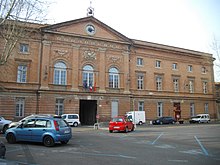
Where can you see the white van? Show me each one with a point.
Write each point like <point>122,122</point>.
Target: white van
<point>71,119</point>
<point>138,117</point>
<point>200,118</point>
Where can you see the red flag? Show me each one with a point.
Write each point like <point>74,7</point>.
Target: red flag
<point>94,87</point>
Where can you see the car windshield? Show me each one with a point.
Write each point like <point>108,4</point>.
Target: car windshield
<point>117,120</point>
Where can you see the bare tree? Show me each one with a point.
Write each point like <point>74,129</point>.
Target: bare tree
<point>16,17</point>
<point>216,48</point>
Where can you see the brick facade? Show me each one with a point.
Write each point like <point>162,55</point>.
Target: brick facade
<point>70,44</point>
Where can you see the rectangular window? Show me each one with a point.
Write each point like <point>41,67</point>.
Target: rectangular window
<point>139,61</point>
<point>113,80</point>
<point>22,73</point>
<point>191,86</point>
<point>140,81</point>
<point>176,85</point>
<point>140,106</point>
<point>59,109</point>
<point>159,109</point>
<point>205,87</point>
<point>192,109</point>
<point>206,108</point>
<point>19,110</point>
<point>159,83</point>
<point>174,66</point>
<point>158,64</point>
<point>203,70</point>
<point>24,48</point>
<point>190,69</point>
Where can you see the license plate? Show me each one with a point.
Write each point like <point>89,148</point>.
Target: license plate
<point>67,131</point>
<point>116,127</point>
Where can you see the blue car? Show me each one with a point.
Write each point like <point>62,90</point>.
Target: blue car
<point>48,130</point>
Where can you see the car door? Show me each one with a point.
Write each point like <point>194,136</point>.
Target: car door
<point>129,123</point>
<point>24,130</point>
<point>41,126</point>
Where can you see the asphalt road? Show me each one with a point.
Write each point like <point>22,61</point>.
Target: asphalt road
<point>196,144</point>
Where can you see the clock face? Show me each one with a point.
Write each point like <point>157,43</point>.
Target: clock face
<point>90,29</point>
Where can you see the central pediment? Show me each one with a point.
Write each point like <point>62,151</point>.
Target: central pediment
<point>87,27</point>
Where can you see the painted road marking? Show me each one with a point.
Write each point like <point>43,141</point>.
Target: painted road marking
<point>202,147</point>
<point>157,139</point>
<point>179,161</point>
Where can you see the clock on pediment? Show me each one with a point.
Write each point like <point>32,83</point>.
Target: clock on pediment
<point>90,29</point>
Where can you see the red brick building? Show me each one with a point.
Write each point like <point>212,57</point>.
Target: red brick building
<point>84,66</point>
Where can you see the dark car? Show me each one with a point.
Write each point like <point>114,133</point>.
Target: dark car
<point>48,130</point>
<point>164,120</point>
<point>121,123</point>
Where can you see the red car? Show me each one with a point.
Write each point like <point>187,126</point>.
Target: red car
<point>121,123</point>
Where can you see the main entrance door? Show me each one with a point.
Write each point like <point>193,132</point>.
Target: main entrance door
<point>177,111</point>
<point>87,112</point>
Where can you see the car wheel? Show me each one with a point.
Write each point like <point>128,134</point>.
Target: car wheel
<point>110,131</point>
<point>48,141</point>
<point>11,138</point>
<point>4,129</point>
<point>75,124</point>
<point>64,142</point>
<point>140,123</point>
<point>132,128</point>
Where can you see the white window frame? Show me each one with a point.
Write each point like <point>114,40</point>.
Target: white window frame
<point>22,74</point>
<point>205,87</point>
<point>176,84</point>
<point>159,82</point>
<point>158,64</point>
<point>114,78</point>
<point>140,61</point>
<point>60,73</point>
<point>88,76</point>
<point>24,48</point>
<point>203,70</point>
<point>190,68</point>
<point>19,108</point>
<point>59,109</point>
<point>140,81</point>
<point>191,86</point>
<point>174,66</point>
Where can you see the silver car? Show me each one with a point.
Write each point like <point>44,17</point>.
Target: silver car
<point>4,124</point>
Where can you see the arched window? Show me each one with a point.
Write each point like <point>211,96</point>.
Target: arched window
<point>88,76</point>
<point>60,73</point>
<point>113,78</point>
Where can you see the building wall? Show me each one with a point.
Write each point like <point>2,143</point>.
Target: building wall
<point>40,92</point>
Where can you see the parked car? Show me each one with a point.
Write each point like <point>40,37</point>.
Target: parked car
<point>48,130</point>
<point>121,123</point>
<point>200,118</point>
<point>4,124</point>
<point>71,119</point>
<point>164,120</point>
<point>16,123</point>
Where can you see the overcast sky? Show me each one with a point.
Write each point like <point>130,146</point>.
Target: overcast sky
<point>190,24</point>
